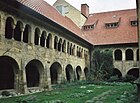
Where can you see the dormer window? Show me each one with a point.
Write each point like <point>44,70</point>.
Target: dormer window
<point>134,23</point>
<point>90,26</point>
<point>111,25</point>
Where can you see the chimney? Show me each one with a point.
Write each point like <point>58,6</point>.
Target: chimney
<point>85,10</point>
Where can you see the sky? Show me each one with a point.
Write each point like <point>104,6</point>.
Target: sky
<point>101,5</point>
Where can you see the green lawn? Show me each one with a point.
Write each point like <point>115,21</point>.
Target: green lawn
<point>106,92</point>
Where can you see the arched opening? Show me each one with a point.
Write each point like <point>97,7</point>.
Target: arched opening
<point>49,41</point>
<point>116,72</point>
<point>36,38</point>
<point>9,28</point>
<point>118,54</point>
<point>71,49</point>
<point>129,54</point>
<point>78,72</point>
<point>60,45</point>
<point>134,72</point>
<point>8,72</point>
<point>138,55</point>
<point>18,31</point>
<point>56,73</point>
<point>42,41</point>
<point>64,46</point>
<point>34,73</point>
<point>26,33</point>
<point>68,48</point>
<point>69,73</point>
<point>86,72</point>
<point>56,43</point>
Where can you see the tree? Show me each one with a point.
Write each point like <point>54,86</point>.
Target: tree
<point>102,64</point>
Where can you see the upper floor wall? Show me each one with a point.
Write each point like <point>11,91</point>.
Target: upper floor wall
<point>32,32</point>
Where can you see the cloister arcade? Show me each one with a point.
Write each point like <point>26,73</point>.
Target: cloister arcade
<point>37,57</point>
<point>126,62</point>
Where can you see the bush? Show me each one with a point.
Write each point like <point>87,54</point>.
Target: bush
<point>114,79</point>
<point>129,78</point>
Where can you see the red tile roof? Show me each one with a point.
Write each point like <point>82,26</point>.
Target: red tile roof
<point>101,35</point>
<point>43,8</point>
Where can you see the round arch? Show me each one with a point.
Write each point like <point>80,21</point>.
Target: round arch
<point>56,42</point>
<point>36,37</point>
<point>56,73</point>
<point>117,72</point>
<point>9,28</point>
<point>27,33</point>
<point>42,40</point>
<point>129,54</point>
<point>49,41</point>
<point>18,31</point>
<point>34,73</point>
<point>118,54</point>
<point>78,72</point>
<point>9,70</point>
<point>134,72</point>
<point>60,44</point>
<point>69,73</point>
<point>64,46</point>
<point>86,72</point>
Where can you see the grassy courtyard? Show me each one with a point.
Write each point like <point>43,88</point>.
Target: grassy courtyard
<point>80,93</point>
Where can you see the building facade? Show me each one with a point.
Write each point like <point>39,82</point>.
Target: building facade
<point>41,45</point>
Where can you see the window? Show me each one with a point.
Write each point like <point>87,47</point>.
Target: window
<point>112,25</point>
<point>134,23</point>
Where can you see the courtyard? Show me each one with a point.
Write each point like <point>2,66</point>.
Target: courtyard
<point>81,92</point>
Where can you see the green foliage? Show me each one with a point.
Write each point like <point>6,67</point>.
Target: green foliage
<point>103,91</point>
<point>103,64</point>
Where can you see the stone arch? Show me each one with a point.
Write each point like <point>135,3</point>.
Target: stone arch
<point>36,37</point>
<point>56,42</point>
<point>60,44</point>
<point>18,31</point>
<point>64,46</point>
<point>134,72</point>
<point>117,72</point>
<point>27,33</point>
<point>137,54</point>
<point>49,41</point>
<point>9,70</point>
<point>9,28</point>
<point>42,40</point>
<point>34,73</point>
<point>56,73</point>
<point>129,54</point>
<point>78,72</point>
<point>118,54</point>
<point>69,73</point>
<point>86,72</point>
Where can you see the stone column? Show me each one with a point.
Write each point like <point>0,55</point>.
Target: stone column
<point>39,39</point>
<point>22,82</point>
<point>32,37</point>
<point>123,63</point>
<point>22,30</point>
<point>2,25</point>
<point>47,77</point>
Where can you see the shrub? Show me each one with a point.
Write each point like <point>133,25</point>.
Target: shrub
<point>114,79</point>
